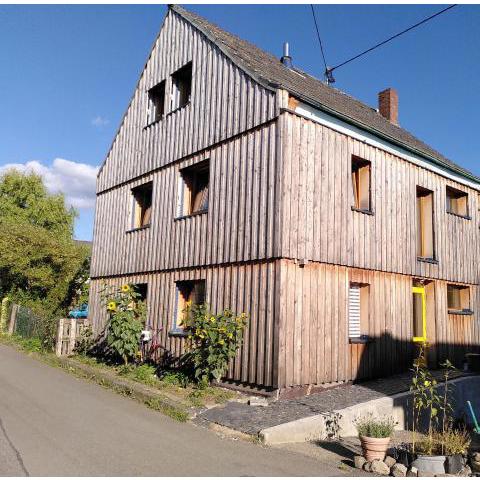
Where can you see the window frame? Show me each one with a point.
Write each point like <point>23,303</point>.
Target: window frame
<point>181,300</point>
<point>188,182</point>
<point>363,312</point>
<point>136,206</point>
<point>357,166</point>
<point>152,105</point>
<point>177,79</point>
<point>462,310</point>
<point>452,193</point>
<point>420,291</point>
<point>421,193</point>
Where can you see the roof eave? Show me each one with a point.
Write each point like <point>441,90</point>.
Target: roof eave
<point>382,135</point>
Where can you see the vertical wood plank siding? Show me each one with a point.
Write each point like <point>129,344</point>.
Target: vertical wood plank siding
<point>224,102</point>
<point>239,224</point>
<point>320,225</point>
<point>245,288</point>
<point>313,325</point>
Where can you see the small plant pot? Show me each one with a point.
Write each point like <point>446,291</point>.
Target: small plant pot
<point>454,464</point>
<point>374,448</point>
<point>430,463</point>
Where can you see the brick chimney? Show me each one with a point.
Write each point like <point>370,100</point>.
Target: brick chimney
<point>388,105</point>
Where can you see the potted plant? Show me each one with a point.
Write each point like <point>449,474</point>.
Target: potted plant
<point>375,434</point>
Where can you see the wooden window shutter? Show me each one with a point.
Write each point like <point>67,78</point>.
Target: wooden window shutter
<point>354,311</point>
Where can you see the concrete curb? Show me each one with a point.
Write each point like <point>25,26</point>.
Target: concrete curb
<point>318,427</point>
<point>172,407</point>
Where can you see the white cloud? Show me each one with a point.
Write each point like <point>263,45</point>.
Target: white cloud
<point>75,180</point>
<point>99,121</point>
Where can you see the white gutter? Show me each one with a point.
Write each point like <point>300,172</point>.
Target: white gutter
<point>312,113</point>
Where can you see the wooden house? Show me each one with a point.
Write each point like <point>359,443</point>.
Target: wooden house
<point>238,180</point>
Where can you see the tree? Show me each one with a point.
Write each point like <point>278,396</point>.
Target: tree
<point>39,260</point>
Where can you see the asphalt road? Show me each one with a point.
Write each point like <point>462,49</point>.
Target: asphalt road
<point>52,423</point>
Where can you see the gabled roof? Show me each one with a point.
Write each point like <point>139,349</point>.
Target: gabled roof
<point>271,73</point>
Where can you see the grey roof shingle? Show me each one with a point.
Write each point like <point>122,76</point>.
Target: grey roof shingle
<point>270,72</point>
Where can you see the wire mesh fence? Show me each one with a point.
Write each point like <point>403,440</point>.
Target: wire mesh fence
<point>27,324</point>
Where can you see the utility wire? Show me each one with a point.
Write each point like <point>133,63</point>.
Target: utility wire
<point>329,70</point>
<point>319,39</point>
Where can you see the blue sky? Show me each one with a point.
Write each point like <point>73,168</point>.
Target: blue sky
<point>68,73</point>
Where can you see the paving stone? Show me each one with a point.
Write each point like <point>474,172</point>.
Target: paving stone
<point>359,461</point>
<point>380,468</point>
<point>252,419</point>
<point>399,470</point>
<point>258,402</point>
<point>390,461</point>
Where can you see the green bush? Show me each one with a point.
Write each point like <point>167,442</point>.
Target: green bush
<point>369,426</point>
<point>212,341</point>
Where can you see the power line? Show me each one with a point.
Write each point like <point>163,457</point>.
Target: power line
<point>319,39</point>
<point>328,71</point>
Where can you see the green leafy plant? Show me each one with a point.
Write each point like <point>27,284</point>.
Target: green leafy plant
<point>427,399</point>
<point>85,341</point>
<point>212,341</point>
<point>175,378</point>
<point>127,317</point>
<point>375,427</point>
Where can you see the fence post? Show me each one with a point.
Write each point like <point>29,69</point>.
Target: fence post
<point>73,333</point>
<point>13,318</point>
<point>4,314</point>
<point>58,346</point>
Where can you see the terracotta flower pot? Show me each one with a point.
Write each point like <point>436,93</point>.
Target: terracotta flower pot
<point>374,448</point>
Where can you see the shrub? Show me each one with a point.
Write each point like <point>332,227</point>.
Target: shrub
<point>127,316</point>
<point>85,341</point>
<point>178,379</point>
<point>369,426</point>
<point>213,340</point>
<point>454,442</point>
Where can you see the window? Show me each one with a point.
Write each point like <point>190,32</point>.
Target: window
<point>142,205</point>
<point>425,231</point>
<point>458,299</point>
<point>357,310</point>
<point>361,174</point>
<point>193,189</point>
<point>181,86</point>
<point>156,100</point>
<point>142,290</point>
<point>457,202</point>
<point>419,314</point>
<point>187,291</point>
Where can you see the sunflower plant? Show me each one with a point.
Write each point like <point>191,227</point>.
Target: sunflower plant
<point>212,341</point>
<point>127,314</point>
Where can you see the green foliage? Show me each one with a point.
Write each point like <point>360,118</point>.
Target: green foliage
<point>127,317</point>
<point>85,341</point>
<point>427,399</point>
<point>370,426</point>
<point>33,344</point>
<point>213,340</point>
<point>38,258</point>
<point>175,378</point>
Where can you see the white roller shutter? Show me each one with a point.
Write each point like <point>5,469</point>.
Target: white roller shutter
<point>354,311</point>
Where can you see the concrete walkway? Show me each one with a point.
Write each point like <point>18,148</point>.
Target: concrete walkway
<point>305,412</point>
<point>54,424</point>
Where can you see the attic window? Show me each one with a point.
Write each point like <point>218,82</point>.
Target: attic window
<point>361,179</point>
<point>181,86</point>
<point>457,202</point>
<point>193,189</point>
<point>156,103</point>
<point>142,205</point>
